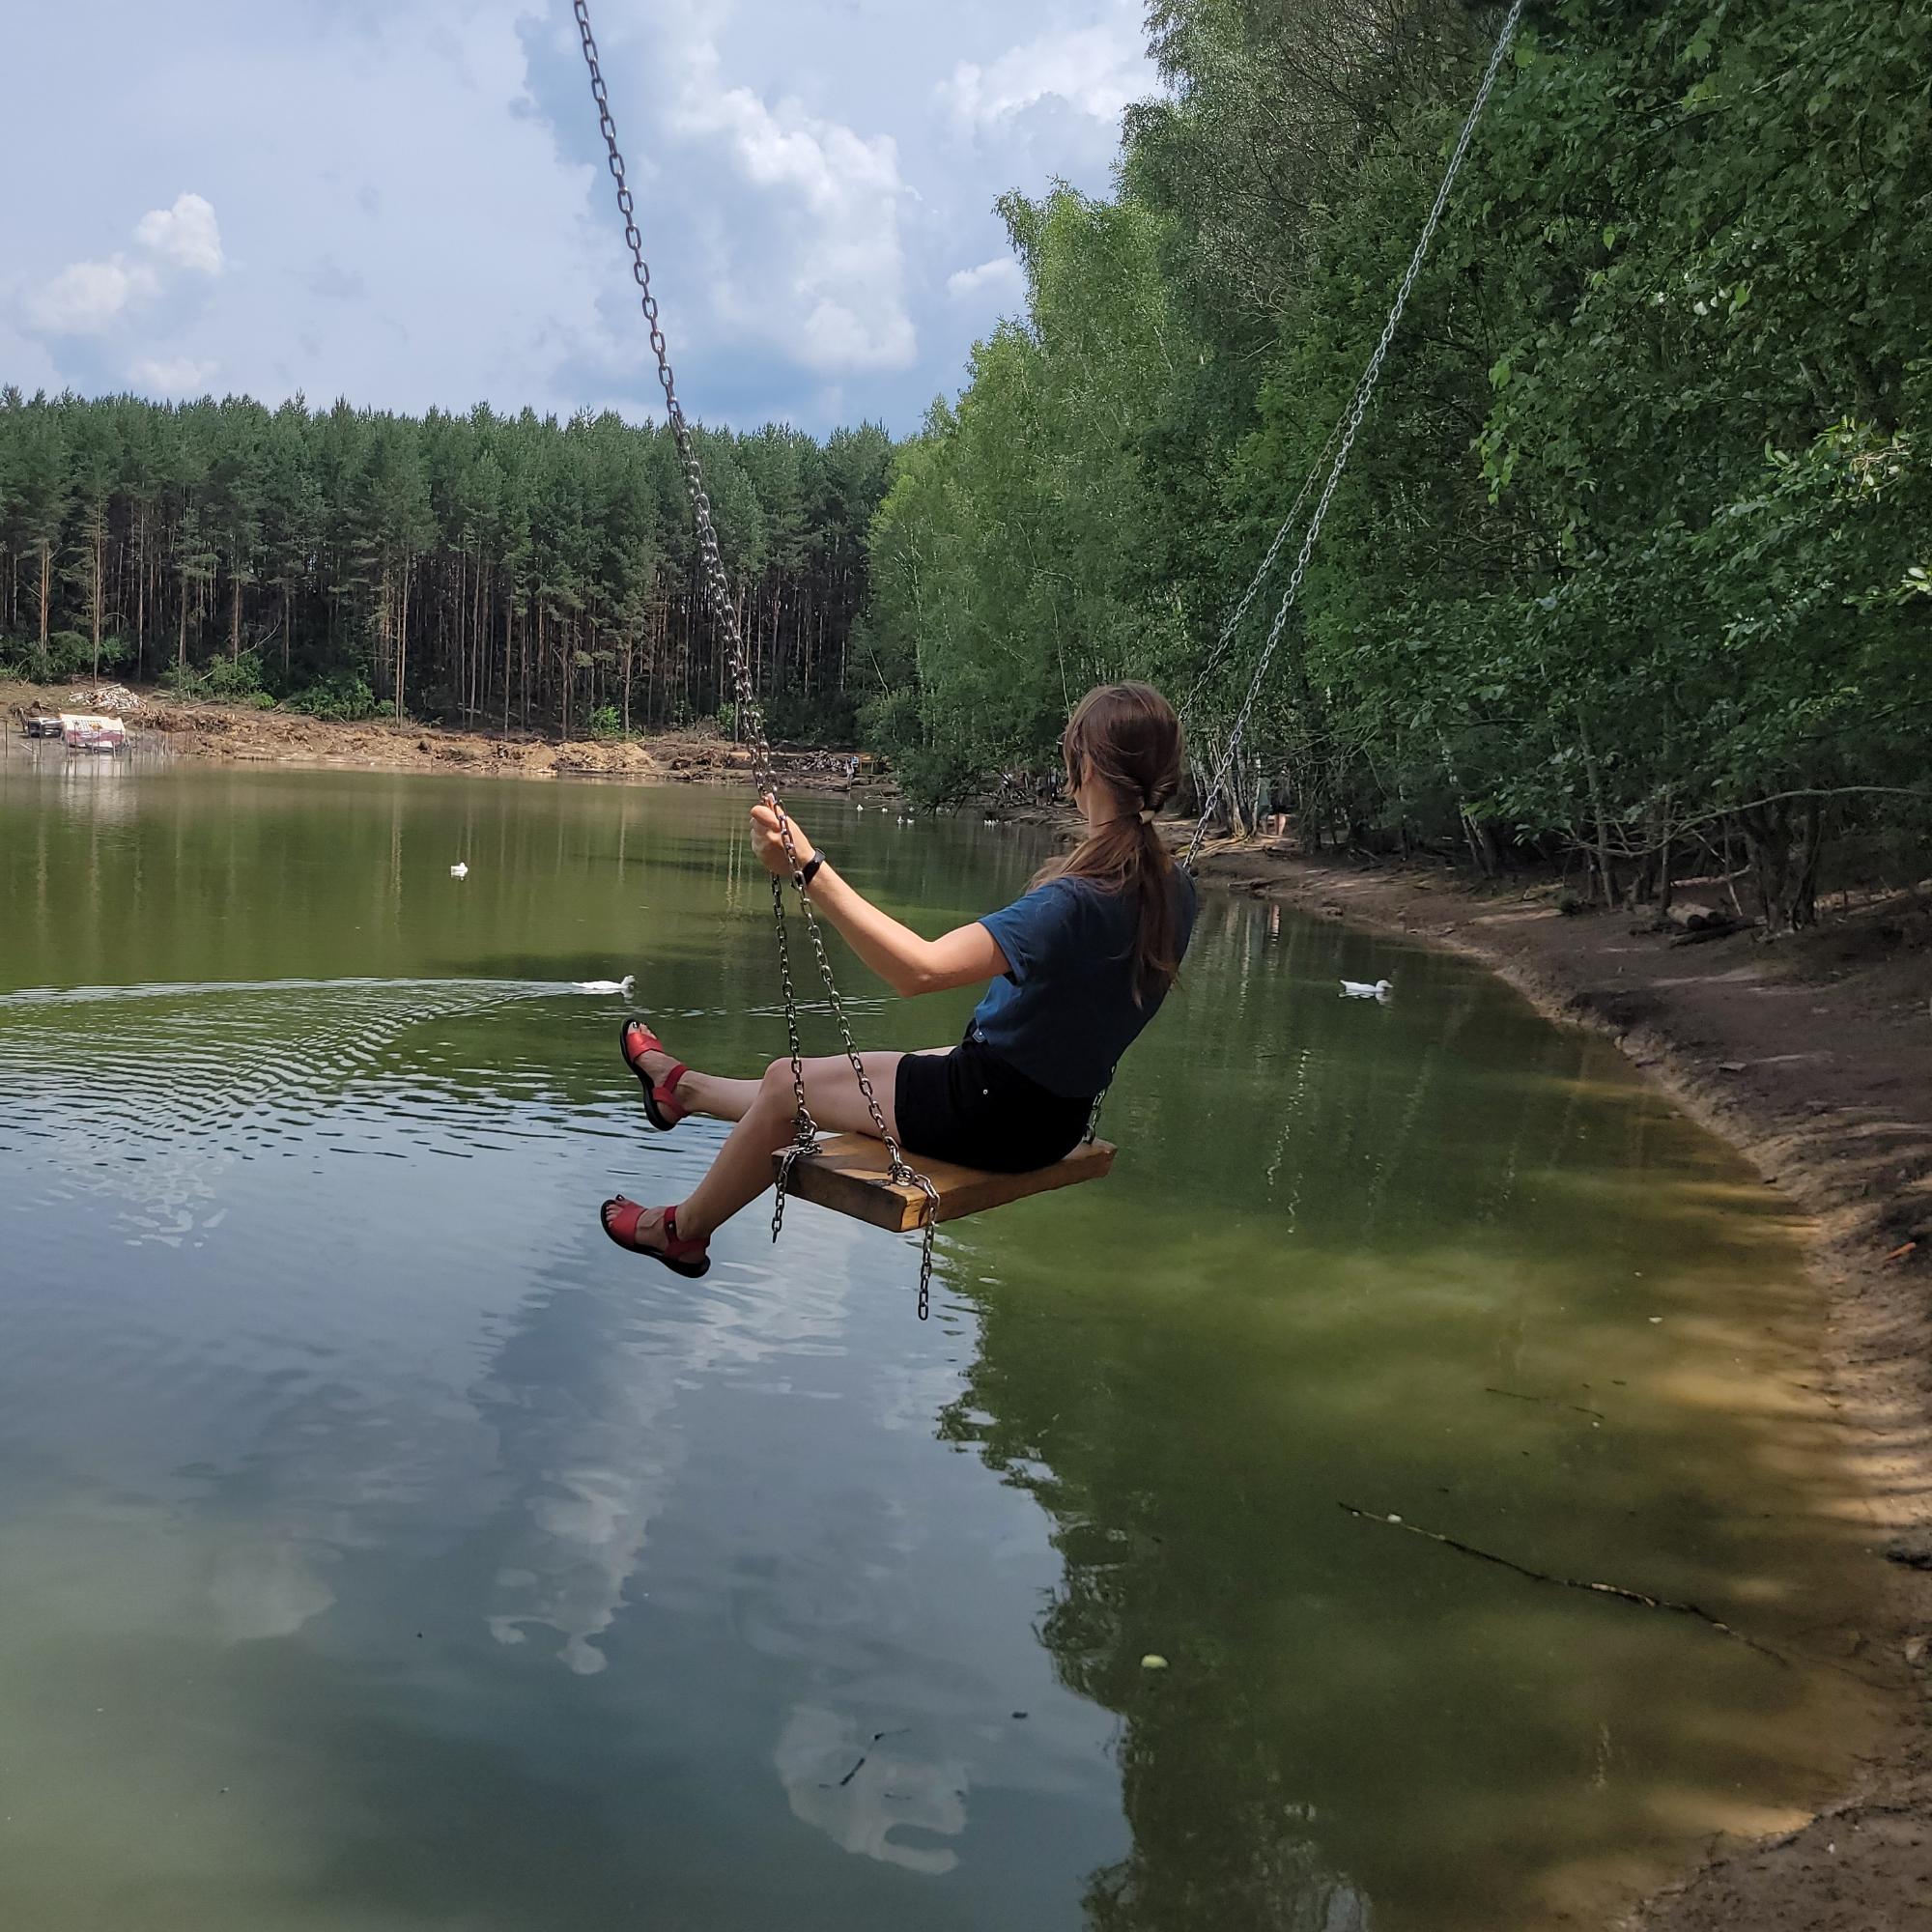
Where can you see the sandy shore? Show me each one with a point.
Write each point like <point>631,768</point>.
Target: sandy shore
<point>241,734</point>
<point>1813,1056</point>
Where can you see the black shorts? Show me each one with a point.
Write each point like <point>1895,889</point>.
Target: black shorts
<point>971,1107</point>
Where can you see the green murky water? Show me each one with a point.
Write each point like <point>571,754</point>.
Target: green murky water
<point>383,1549</point>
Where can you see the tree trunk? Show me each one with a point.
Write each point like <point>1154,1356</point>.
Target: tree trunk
<point>46,574</point>
<point>1784,862</point>
<point>1606,883</point>
<point>403,638</point>
<point>479,636</point>
<point>1802,904</point>
<point>100,544</point>
<point>542,646</point>
<point>462,615</point>
<point>384,609</point>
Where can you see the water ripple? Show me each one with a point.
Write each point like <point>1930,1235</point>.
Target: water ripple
<point>148,1094</point>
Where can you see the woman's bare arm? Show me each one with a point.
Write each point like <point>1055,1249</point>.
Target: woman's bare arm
<point>908,963</point>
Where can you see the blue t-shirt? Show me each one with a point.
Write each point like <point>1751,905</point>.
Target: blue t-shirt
<point>1064,1013</point>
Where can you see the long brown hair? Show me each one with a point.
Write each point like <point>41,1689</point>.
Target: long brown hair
<point>1124,739</point>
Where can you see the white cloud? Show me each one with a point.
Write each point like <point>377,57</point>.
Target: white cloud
<point>174,376</point>
<point>1095,69</point>
<point>827,277</point>
<point>1001,278</point>
<point>186,235</point>
<point>88,298</point>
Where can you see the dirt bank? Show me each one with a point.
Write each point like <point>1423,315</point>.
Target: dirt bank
<point>243,734</point>
<point>1814,1056</point>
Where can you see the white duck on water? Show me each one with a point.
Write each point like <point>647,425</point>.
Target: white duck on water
<point>1361,990</point>
<point>622,988</point>
<point>459,870</point>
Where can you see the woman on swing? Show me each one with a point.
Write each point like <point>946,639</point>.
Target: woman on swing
<point>1078,967</point>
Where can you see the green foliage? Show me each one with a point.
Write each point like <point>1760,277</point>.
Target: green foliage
<point>69,654</point>
<point>235,680</point>
<point>1625,558</point>
<point>343,694</point>
<point>1009,558</point>
<point>481,568</point>
<point>607,722</point>
<point>890,723</point>
<point>236,677</point>
<point>818,718</point>
<point>935,775</point>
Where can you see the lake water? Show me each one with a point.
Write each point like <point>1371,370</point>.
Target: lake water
<point>382,1549</point>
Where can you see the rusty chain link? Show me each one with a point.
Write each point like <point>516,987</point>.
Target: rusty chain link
<point>725,617</point>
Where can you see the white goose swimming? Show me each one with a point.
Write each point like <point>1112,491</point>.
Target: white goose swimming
<point>1361,990</point>
<point>459,870</point>
<point>619,987</point>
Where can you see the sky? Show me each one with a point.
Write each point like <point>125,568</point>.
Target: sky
<point>404,202</point>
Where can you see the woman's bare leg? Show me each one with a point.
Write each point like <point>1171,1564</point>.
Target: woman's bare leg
<point>711,1094</point>
<point>765,1111</point>
<point>722,1099</point>
<point>743,1168</point>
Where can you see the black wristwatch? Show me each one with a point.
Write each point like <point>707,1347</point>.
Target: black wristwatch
<point>810,870</point>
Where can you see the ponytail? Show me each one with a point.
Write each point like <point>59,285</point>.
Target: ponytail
<point>1126,739</point>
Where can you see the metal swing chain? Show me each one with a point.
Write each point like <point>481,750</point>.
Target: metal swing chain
<point>724,616</point>
<point>1289,522</point>
<point>1350,424</point>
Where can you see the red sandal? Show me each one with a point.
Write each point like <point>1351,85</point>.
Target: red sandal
<point>661,1106</point>
<point>620,1217</point>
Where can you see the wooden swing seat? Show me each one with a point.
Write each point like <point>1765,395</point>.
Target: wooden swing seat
<point>850,1175</point>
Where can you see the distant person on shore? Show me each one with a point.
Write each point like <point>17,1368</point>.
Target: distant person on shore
<point>1079,965</point>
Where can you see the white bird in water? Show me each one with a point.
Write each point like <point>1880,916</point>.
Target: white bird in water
<point>459,870</point>
<point>1360,989</point>
<point>620,987</point>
